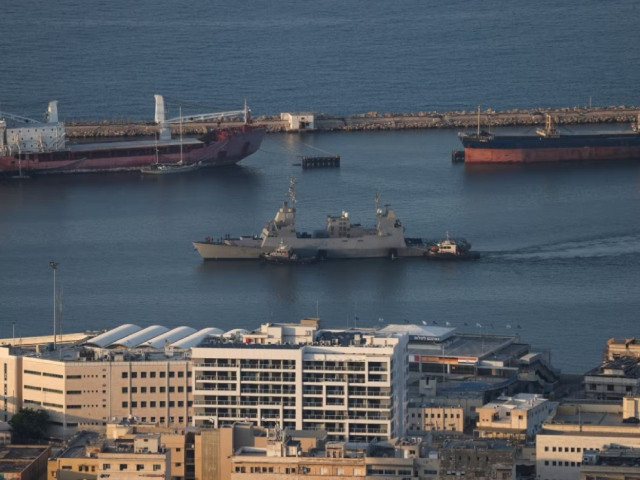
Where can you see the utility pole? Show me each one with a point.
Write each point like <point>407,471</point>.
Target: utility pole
<point>54,265</point>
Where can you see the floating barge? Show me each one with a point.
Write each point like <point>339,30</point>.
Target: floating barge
<point>332,161</point>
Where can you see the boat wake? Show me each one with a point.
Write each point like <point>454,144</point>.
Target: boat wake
<point>603,247</point>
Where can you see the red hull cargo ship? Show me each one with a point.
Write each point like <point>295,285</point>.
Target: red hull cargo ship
<point>550,146</point>
<point>31,147</point>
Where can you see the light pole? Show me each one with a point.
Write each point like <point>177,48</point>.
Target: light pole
<point>54,265</point>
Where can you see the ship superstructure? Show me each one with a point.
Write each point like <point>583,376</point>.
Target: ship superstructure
<point>340,239</point>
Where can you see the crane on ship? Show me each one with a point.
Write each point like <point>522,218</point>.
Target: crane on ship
<point>245,113</point>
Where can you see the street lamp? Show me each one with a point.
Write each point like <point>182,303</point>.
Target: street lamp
<point>54,265</point>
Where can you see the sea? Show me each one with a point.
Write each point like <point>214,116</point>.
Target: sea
<point>560,244</point>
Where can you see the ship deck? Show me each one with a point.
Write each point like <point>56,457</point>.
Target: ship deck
<point>123,144</point>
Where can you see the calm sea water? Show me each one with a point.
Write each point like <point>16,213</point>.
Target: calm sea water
<point>560,244</point>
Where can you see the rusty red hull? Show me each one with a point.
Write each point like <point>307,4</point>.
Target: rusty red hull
<point>486,148</point>
<point>225,148</point>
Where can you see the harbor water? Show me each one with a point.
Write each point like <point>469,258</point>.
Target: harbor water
<point>560,244</point>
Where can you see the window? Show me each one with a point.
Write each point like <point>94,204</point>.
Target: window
<point>172,389</point>
<point>134,389</point>
<point>125,389</point>
<point>152,389</point>
<point>546,449</point>
<point>180,374</point>
<point>163,374</point>
<point>125,404</point>
<point>143,404</point>
<point>139,467</point>
<point>162,403</point>
<point>143,389</point>
<point>152,404</point>
<point>106,466</point>
<point>609,388</point>
<point>134,374</point>
<point>172,374</point>
<point>152,374</point>
<point>180,389</point>
<point>163,389</point>
<point>123,466</point>
<point>143,374</point>
<point>125,375</point>
<point>162,419</point>
<point>134,404</point>
<point>172,403</point>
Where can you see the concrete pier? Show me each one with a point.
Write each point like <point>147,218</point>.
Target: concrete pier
<point>377,121</point>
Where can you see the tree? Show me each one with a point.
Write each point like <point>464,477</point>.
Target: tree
<point>29,425</point>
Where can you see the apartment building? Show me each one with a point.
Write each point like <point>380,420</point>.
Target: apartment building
<point>349,383</point>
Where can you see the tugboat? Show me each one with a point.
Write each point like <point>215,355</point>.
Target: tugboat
<point>451,249</point>
<point>285,255</point>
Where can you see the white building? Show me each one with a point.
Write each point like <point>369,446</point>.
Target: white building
<point>350,383</point>
<point>299,121</point>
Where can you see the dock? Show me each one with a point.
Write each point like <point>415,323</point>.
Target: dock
<point>374,121</point>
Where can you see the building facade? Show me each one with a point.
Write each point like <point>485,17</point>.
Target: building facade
<point>354,391</point>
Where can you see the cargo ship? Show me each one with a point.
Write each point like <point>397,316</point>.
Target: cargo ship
<point>549,146</point>
<point>340,239</point>
<point>32,147</point>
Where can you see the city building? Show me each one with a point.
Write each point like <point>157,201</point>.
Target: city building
<point>518,418</point>
<point>425,417</point>
<point>613,379</point>
<point>478,460</point>
<point>577,427</point>
<point>611,464</point>
<point>351,384</point>
<point>24,462</point>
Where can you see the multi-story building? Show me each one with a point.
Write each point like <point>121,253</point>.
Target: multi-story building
<point>519,417</point>
<point>147,458</point>
<point>425,417</point>
<point>85,390</point>
<point>611,464</point>
<point>348,383</point>
<point>478,460</point>
<point>613,379</point>
<point>577,427</point>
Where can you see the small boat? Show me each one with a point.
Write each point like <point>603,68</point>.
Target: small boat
<point>285,255</point>
<point>451,249</point>
<point>166,168</point>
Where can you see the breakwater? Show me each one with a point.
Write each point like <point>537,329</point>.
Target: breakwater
<point>374,121</point>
